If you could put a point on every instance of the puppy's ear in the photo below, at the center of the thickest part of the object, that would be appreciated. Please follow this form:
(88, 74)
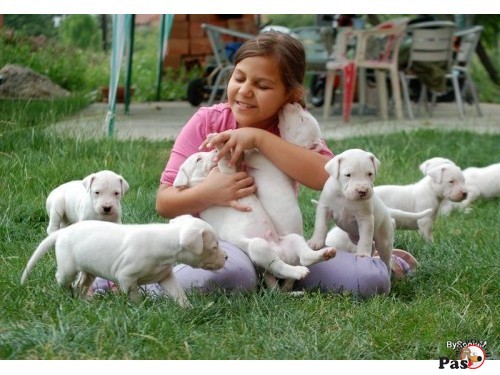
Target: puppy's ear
(436, 173)
(124, 185)
(191, 238)
(181, 180)
(87, 182)
(375, 162)
(333, 166)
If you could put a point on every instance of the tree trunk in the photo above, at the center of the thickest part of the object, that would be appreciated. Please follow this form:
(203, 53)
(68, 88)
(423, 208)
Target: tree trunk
(485, 60)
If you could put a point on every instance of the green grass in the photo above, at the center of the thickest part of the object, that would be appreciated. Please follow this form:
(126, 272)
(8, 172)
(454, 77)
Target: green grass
(454, 296)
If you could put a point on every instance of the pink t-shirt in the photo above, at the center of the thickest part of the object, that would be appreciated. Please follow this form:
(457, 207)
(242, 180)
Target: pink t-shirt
(206, 120)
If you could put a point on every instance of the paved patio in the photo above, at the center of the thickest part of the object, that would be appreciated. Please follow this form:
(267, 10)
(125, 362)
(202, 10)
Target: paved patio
(164, 120)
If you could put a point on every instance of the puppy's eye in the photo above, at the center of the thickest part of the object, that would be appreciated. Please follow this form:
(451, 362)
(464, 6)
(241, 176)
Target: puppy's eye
(348, 175)
(96, 192)
(451, 182)
(370, 174)
(117, 193)
(198, 159)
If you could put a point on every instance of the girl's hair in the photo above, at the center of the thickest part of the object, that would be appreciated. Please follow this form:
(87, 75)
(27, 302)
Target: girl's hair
(286, 50)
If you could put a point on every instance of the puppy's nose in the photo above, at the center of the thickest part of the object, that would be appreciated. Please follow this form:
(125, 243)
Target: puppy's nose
(464, 194)
(107, 209)
(362, 193)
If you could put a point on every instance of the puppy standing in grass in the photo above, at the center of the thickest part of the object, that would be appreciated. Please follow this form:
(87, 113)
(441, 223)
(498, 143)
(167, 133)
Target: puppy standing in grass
(96, 197)
(349, 199)
(131, 255)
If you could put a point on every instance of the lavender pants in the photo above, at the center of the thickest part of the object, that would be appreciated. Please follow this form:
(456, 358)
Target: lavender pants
(364, 276)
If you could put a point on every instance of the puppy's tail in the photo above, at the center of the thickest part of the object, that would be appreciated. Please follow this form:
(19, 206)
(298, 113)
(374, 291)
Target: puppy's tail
(401, 215)
(40, 251)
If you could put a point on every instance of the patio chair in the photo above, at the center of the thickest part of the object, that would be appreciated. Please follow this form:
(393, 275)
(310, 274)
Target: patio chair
(224, 65)
(376, 49)
(429, 60)
(467, 43)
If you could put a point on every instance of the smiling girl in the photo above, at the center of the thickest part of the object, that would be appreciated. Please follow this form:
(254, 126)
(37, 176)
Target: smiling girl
(269, 73)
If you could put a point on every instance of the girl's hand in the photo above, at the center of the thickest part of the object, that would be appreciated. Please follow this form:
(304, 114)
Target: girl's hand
(232, 141)
(226, 189)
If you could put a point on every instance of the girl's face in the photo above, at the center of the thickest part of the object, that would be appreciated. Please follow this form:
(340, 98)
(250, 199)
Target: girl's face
(256, 92)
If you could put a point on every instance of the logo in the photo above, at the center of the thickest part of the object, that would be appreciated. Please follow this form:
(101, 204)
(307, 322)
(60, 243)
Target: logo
(470, 354)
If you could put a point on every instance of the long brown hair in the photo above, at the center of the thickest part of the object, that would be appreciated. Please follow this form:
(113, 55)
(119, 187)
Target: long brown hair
(287, 51)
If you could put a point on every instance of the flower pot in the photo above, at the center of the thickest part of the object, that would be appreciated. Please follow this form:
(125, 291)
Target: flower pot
(120, 94)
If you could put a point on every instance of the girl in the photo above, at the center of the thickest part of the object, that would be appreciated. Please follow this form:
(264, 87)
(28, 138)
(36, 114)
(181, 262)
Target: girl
(269, 71)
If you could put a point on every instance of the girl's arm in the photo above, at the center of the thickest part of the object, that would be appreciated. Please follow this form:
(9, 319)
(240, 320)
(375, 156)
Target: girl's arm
(304, 166)
(220, 189)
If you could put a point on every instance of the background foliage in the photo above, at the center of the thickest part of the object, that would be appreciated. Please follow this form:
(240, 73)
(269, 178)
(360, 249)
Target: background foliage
(79, 65)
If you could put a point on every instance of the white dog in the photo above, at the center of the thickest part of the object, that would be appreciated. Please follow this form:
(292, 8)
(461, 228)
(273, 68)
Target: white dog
(277, 192)
(96, 197)
(348, 198)
(284, 257)
(131, 255)
(444, 181)
(480, 183)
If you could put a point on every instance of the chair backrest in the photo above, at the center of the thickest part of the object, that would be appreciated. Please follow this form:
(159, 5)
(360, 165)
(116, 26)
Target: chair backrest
(431, 42)
(214, 34)
(379, 46)
(468, 40)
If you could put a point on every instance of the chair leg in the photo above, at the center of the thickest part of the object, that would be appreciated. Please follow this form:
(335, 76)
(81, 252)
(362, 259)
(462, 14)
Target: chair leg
(382, 93)
(361, 91)
(330, 81)
(475, 97)
(458, 95)
(406, 95)
(396, 94)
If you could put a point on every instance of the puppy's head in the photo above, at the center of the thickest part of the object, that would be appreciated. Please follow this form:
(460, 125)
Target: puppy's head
(449, 182)
(299, 127)
(199, 245)
(106, 189)
(432, 163)
(354, 170)
(195, 169)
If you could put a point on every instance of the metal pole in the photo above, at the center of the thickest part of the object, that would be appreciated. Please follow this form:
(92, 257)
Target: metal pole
(160, 57)
(128, 80)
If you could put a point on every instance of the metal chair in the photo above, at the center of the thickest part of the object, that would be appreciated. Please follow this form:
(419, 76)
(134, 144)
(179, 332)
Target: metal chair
(431, 47)
(224, 65)
(467, 43)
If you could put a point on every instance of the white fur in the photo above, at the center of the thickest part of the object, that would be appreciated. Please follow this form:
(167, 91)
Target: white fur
(284, 257)
(276, 191)
(96, 197)
(348, 198)
(131, 255)
(444, 181)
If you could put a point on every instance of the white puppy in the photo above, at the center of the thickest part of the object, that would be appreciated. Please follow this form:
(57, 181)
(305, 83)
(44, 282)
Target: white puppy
(277, 192)
(444, 181)
(432, 163)
(480, 183)
(348, 198)
(96, 197)
(284, 257)
(131, 255)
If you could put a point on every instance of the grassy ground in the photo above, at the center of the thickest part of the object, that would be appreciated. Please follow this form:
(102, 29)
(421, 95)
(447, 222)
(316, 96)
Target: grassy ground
(454, 296)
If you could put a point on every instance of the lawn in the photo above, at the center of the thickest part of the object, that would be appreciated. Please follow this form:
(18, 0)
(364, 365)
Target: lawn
(453, 296)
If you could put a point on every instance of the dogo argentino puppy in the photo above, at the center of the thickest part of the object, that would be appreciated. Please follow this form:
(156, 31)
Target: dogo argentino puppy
(277, 191)
(131, 255)
(96, 197)
(283, 257)
(445, 181)
(348, 198)
(480, 182)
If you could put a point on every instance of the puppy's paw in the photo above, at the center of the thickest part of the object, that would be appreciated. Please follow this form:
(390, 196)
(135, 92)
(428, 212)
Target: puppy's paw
(329, 253)
(301, 272)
